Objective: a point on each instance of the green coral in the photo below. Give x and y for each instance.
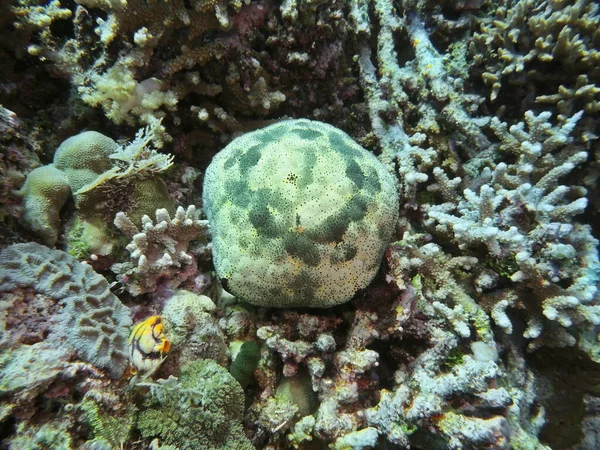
(203, 409)
(104, 178)
(148, 195)
(298, 390)
(85, 237)
(47, 436)
(300, 215)
(45, 192)
(505, 267)
(105, 425)
(77, 247)
(454, 358)
(245, 362)
(84, 157)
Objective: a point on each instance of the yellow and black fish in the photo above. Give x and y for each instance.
(148, 346)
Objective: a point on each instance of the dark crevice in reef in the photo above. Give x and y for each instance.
(567, 376)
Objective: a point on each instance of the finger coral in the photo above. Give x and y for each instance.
(161, 251)
(521, 211)
(528, 37)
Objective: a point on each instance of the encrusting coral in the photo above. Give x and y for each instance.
(93, 320)
(300, 215)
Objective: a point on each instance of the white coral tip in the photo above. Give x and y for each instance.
(180, 213)
(162, 215)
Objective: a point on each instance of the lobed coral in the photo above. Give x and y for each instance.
(45, 192)
(103, 178)
(84, 157)
(93, 320)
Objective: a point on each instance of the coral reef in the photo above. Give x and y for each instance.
(300, 215)
(103, 178)
(111, 423)
(17, 157)
(48, 435)
(93, 320)
(456, 141)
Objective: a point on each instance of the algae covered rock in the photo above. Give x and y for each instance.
(300, 215)
(202, 409)
(192, 329)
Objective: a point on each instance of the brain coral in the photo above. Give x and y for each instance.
(84, 157)
(94, 321)
(300, 215)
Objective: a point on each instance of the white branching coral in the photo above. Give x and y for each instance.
(162, 251)
(390, 86)
(138, 156)
(522, 214)
(433, 283)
